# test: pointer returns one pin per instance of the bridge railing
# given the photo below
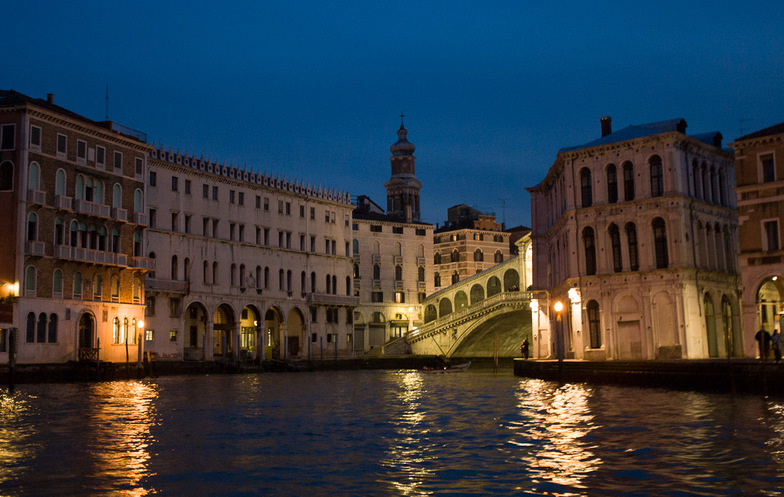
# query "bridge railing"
(428, 328)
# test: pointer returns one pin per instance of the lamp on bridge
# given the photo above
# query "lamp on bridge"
(558, 307)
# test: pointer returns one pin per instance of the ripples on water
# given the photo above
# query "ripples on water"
(384, 433)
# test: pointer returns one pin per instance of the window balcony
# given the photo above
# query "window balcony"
(376, 283)
(119, 214)
(36, 197)
(356, 257)
(326, 299)
(143, 263)
(357, 282)
(35, 248)
(140, 218)
(80, 254)
(63, 203)
(421, 285)
(420, 261)
(398, 285)
(91, 208)
(397, 259)
(376, 259)
(162, 285)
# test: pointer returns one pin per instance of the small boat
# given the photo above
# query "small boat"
(458, 368)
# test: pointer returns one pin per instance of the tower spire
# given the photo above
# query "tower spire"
(403, 186)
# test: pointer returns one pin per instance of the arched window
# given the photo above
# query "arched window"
(205, 270)
(421, 274)
(116, 330)
(288, 281)
(657, 179)
(137, 245)
(281, 280)
(455, 256)
(59, 183)
(695, 174)
(355, 246)
(102, 239)
(329, 283)
(97, 287)
(628, 181)
(124, 334)
(115, 288)
(728, 252)
(6, 176)
(136, 289)
(356, 270)
(242, 276)
(398, 273)
(631, 238)
(32, 227)
(612, 184)
(455, 277)
(79, 191)
(594, 325)
(590, 251)
(74, 230)
(57, 283)
(437, 279)
(706, 187)
(348, 285)
(52, 338)
(714, 196)
(117, 196)
(77, 285)
(334, 284)
(615, 243)
(722, 189)
(30, 281)
(34, 181)
(498, 257)
(660, 243)
(710, 326)
(586, 187)
(41, 335)
(376, 272)
(258, 279)
(313, 282)
(215, 276)
(437, 258)
(30, 331)
(138, 201)
(478, 256)
(116, 241)
(175, 268)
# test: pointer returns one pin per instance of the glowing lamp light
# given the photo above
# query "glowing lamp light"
(140, 323)
(558, 306)
(775, 278)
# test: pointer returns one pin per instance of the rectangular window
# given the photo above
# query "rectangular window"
(3, 340)
(421, 232)
(140, 167)
(62, 146)
(242, 232)
(118, 160)
(400, 297)
(8, 136)
(258, 235)
(174, 219)
(332, 217)
(205, 191)
(768, 168)
(35, 137)
(377, 297)
(355, 227)
(375, 228)
(231, 231)
(326, 246)
(153, 220)
(174, 307)
(153, 178)
(313, 213)
(215, 228)
(313, 316)
(214, 193)
(301, 211)
(148, 335)
(187, 187)
(100, 156)
(231, 196)
(772, 235)
(173, 336)
(205, 226)
(187, 223)
(258, 201)
(288, 240)
(312, 243)
(266, 204)
(81, 151)
(326, 216)
(266, 236)
(334, 248)
(175, 184)
(397, 230)
(241, 198)
(288, 208)
(280, 239)
(302, 242)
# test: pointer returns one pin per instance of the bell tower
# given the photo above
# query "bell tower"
(403, 186)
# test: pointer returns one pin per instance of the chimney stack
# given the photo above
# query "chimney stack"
(50, 98)
(606, 125)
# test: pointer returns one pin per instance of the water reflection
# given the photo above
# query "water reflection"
(18, 444)
(554, 427)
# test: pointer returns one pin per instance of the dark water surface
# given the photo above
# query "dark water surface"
(384, 433)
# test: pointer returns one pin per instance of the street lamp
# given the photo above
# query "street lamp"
(558, 307)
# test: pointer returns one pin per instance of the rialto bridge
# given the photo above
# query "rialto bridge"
(481, 316)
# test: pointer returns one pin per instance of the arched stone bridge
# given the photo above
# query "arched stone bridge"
(479, 316)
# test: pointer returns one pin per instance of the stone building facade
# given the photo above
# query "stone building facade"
(635, 234)
(72, 194)
(759, 160)
(467, 244)
(392, 256)
(247, 266)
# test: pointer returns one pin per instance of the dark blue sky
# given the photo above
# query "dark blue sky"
(313, 90)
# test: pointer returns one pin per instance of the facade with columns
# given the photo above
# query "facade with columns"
(392, 253)
(759, 159)
(71, 267)
(636, 234)
(247, 265)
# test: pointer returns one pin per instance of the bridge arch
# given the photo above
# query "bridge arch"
(461, 301)
(444, 307)
(493, 286)
(511, 280)
(477, 293)
(431, 313)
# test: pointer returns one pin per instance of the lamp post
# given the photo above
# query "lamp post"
(558, 307)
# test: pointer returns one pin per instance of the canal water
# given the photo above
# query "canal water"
(384, 433)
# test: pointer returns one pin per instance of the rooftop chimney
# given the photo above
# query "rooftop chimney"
(50, 98)
(606, 125)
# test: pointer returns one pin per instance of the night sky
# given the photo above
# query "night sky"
(314, 90)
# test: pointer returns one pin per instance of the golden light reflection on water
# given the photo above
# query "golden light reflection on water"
(16, 437)
(409, 452)
(121, 438)
(557, 422)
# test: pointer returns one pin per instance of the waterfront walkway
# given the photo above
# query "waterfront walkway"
(716, 375)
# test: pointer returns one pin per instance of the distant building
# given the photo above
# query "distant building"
(247, 265)
(391, 250)
(636, 234)
(759, 159)
(71, 267)
(467, 244)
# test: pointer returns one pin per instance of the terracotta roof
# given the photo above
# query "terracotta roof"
(772, 130)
